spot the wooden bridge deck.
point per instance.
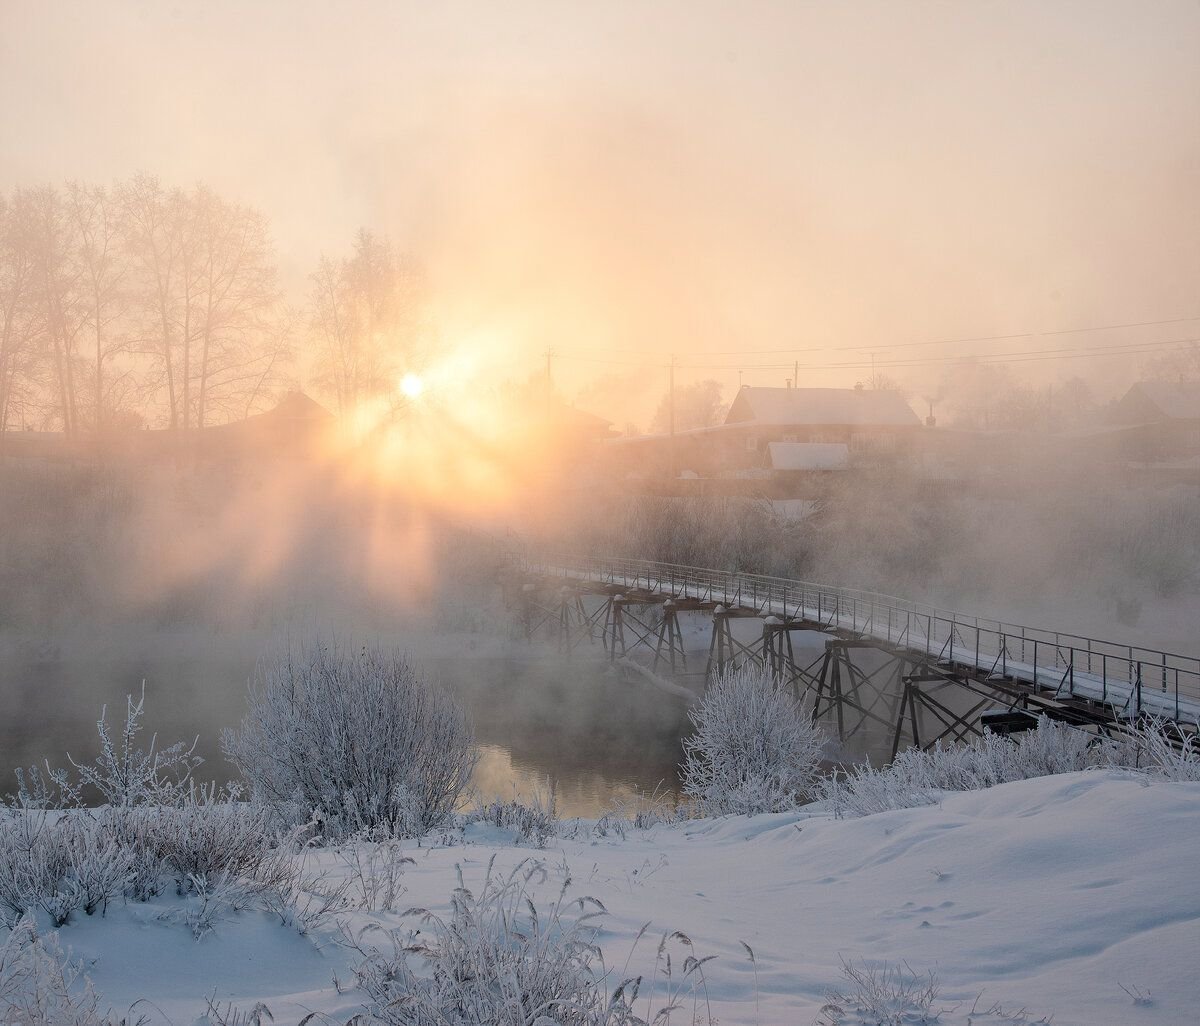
(1066, 675)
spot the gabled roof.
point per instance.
(581, 420)
(1171, 400)
(297, 406)
(295, 414)
(811, 406)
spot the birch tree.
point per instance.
(368, 321)
(16, 302)
(58, 301)
(95, 218)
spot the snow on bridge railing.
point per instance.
(1132, 679)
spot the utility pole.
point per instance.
(872, 370)
(796, 374)
(671, 398)
(671, 415)
(549, 378)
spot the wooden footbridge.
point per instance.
(923, 674)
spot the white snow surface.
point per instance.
(1047, 894)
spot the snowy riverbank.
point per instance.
(1051, 894)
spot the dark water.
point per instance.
(597, 738)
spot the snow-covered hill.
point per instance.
(1056, 895)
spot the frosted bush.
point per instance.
(124, 775)
(532, 822)
(58, 863)
(497, 961)
(916, 777)
(755, 748)
(39, 986)
(494, 961)
(217, 852)
(360, 737)
(375, 872)
(1161, 749)
(208, 901)
(208, 837)
(887, 995)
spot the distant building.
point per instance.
(1158, 420)
(786, 439)
(297, 427)
(864, 420)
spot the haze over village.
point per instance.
(599, 514)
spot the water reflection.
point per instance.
(598, 737)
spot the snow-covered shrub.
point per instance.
(123, 775)
(755, 748)
(1159, 748)
(532, 822)
(39, 986)
(361, 737)
(208, 837)
(493, 962)
(887, 995)
(375, 872)
(916, 777)
(58, 863)
(498, 961)
(208, 901)
(310, 905)
(232, 1015)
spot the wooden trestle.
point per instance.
(919, 700)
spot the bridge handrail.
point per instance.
(1147, 679)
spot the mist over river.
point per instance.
(597, 737)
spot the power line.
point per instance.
(929, 342)
(1019, 356)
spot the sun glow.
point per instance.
(411, 385)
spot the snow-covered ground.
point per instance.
(1050, 894)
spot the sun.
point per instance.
(411, 385)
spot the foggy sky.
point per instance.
(626, 180)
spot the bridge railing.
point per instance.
(1132, 679)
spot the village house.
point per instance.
(787, 438)
(1158, 420)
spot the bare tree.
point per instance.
(367, 318)
(1181, 364)
(697, 405)
(334, 326)
(239, 346)
(57, 287)
(16, 302)
(155, 238)
(207, 281)
(93, 213)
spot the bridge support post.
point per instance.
(614, 626)
(724, 650)
(670, 636)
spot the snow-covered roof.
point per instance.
(808, 455)
(853, 406)
(1176, 400)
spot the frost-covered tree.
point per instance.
(367, 317)
(697, 405)
(755, 748)
(358, 737)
